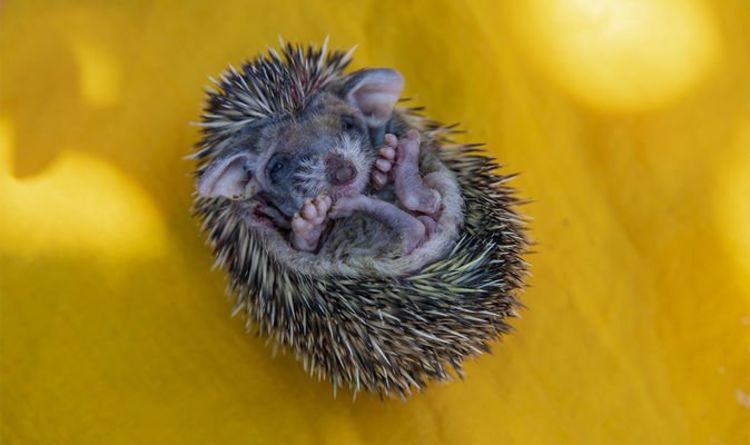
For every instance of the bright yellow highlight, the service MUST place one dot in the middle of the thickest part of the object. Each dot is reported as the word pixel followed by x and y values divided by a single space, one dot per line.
pixel 622 55
pixel 733 197
pixel 99 73
pixel 80 205
pixel 629 121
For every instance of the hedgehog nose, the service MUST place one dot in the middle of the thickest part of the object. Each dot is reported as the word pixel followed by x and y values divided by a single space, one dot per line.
pixel 340 170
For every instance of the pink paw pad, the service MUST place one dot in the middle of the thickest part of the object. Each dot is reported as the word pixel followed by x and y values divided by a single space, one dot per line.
pixel 383 168
pixel 308 224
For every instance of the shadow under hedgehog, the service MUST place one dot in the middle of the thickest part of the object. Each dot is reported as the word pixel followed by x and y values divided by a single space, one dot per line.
pixel 355 232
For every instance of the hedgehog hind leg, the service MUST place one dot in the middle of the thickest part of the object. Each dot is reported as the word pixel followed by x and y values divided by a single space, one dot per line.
pixel 411 230
pixel 412 190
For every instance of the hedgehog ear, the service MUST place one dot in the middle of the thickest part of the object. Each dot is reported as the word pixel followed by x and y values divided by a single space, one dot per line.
pixel 374 92
pixel 228 177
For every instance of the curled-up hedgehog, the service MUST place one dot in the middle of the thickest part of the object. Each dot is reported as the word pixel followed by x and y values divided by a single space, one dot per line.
pixel 355 233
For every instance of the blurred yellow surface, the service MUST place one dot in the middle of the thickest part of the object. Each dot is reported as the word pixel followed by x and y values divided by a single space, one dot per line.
pixel 629 119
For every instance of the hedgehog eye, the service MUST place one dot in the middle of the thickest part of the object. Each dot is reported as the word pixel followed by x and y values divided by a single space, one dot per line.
pixel 348 123
pixel 277 167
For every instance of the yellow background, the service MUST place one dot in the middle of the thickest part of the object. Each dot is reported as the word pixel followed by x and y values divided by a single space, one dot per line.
pixel 629 119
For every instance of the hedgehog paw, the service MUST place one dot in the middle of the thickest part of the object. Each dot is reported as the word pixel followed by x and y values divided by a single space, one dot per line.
pixel 309 223
pixel 411 189
pixel 382 173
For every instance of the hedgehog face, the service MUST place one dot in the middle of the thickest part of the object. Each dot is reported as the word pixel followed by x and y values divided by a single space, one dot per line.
pixel 324 147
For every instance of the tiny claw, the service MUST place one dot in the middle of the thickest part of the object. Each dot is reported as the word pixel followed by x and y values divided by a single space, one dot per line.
pixel 299 224
pixel 383 165
pixel 380 179
pixel 388 153
pixel 391 139
pixel 309 211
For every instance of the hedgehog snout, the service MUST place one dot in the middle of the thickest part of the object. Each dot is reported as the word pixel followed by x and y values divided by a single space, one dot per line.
pixel 339 170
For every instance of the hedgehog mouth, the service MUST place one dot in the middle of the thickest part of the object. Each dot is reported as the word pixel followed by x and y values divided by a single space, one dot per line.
pixel 266 212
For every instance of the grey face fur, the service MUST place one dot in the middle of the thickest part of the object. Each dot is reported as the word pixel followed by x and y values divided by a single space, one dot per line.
pixel 326 148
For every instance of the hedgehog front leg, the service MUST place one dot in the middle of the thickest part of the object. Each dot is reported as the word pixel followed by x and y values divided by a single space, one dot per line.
pixel 309 223
pixel 413 231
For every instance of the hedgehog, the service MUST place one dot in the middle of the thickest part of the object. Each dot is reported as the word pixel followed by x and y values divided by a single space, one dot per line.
pixel 355 232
